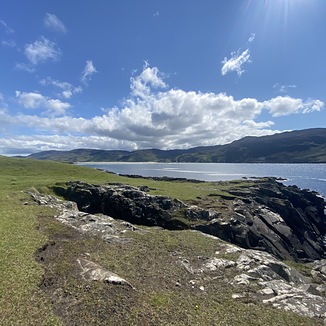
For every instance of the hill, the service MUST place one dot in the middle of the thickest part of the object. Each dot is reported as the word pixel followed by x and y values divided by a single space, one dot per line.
pixel 300 146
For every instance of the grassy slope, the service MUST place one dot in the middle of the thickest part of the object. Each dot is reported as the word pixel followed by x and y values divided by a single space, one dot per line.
pixel 299 146
pixel 146 262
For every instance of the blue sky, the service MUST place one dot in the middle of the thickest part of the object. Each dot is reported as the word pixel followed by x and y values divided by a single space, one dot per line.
pixel 166 74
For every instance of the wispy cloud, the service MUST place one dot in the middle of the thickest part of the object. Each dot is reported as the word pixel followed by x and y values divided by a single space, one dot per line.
pixel 41 51
pixel 32 100
pixel 25 67
pixel 67 89
pixel 283 88
pixel 237 59
pixel 235 62
pixel 9 44
pixel 52 22
pixel 252 37
pixel 6 27
pixel 88 71
pixel 156 14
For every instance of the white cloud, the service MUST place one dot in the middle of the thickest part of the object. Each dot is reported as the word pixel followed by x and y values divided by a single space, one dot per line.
pixel 30 100
pixel 156 14
pixel 6 27
pixel 25 67
pixel 252 37
pixel 237 59
pixel 283 88
pixel 24 145
pixel 52 22
pixel 149 78
pixel 56 107
pixel 286 105
pixel 67 89
pixel 167 119
pixel 41 51
pixel 88 71
pixel 236 62
pixel 9 44
pixel 37 101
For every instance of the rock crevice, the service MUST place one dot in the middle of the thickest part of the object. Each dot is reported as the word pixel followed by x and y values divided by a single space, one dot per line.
pixel 285 221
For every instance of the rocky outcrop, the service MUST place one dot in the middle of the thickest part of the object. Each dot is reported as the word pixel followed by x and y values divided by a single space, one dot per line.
pixel 264 278
pixel 285 221
pixel 250 275
pixel 103 226
pixel 127 203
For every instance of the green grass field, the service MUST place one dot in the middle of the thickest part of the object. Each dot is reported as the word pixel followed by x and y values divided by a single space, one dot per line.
pixel 162 296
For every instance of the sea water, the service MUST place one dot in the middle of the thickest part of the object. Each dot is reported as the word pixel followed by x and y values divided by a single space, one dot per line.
pixel 306 176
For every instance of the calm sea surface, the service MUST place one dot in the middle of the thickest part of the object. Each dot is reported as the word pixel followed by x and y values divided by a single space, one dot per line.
pixel 310 176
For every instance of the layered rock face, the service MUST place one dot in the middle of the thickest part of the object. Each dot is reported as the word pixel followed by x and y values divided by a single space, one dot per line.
pixel 285 221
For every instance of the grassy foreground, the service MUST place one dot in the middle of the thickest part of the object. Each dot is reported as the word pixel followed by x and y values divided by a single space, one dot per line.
pixel 29 289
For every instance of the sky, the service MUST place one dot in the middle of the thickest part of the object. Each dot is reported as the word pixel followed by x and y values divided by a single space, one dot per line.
pixel 167 74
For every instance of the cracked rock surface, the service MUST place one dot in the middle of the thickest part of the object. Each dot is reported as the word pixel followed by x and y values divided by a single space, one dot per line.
pixel 264 276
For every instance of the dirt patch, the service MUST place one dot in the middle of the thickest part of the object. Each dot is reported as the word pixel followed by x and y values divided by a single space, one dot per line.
pixel 74 299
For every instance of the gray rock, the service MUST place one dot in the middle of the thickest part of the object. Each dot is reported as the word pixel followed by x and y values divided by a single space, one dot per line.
pixel 285 221
pixel 278 284
pixel 108 228
pixel 91 271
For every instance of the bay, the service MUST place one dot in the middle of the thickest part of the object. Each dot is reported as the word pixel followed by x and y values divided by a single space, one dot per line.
pixel 307 176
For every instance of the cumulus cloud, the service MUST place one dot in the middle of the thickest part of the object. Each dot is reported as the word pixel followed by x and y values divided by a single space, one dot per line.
pixel 42 50
pixel 52 22
pixel 286 105
pixel 88 71
pixel 37 101
pixel 24 145
pixel 235 62
pixel 153 116
pixel 149 79
pixel 67 89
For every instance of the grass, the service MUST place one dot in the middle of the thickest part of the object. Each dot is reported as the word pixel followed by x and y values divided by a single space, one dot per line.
pixel 42 286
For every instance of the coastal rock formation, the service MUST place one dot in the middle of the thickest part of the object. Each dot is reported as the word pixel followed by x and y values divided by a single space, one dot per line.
pixel 275 282
pixel 251 275
pixel 127 203
pixel 285 221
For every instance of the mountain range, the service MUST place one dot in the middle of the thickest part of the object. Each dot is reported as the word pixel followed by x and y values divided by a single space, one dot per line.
pixel 299 146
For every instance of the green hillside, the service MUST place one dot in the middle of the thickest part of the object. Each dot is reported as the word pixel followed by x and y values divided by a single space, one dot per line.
pixel 302 146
